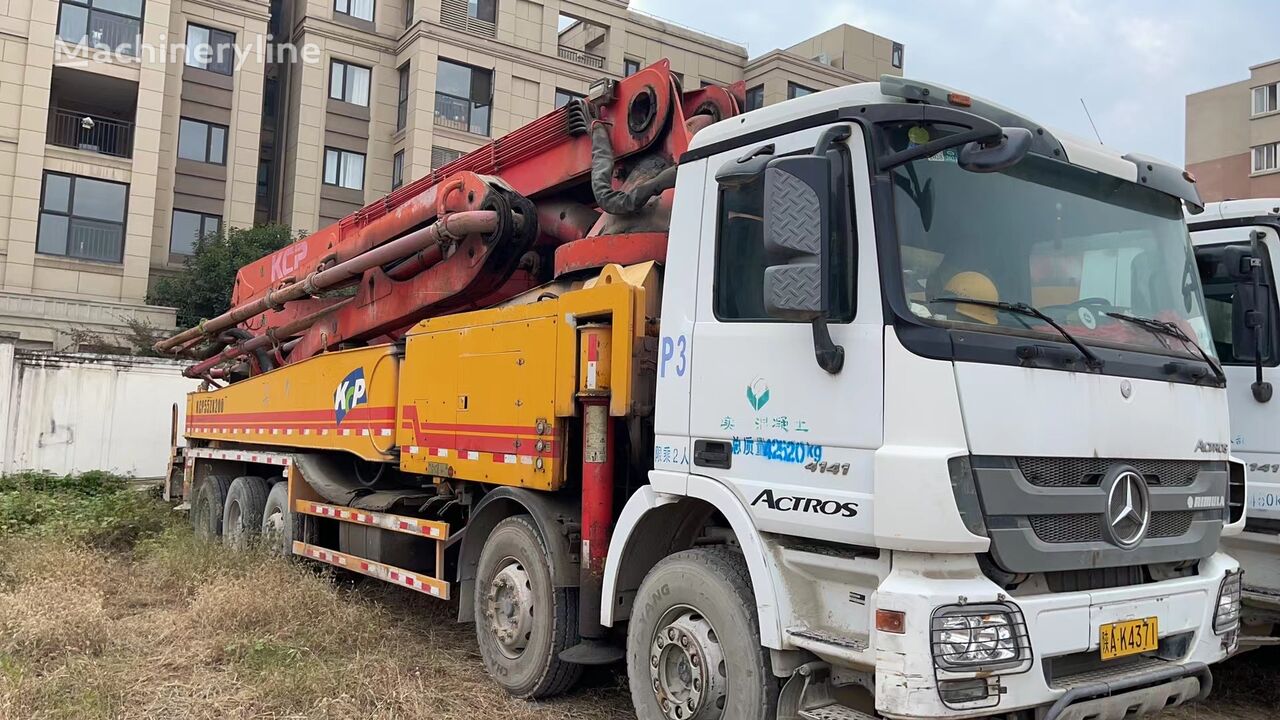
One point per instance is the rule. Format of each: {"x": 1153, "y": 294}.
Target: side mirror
{"x": 797, "y": 234}
{"x": 1008, "y": 151}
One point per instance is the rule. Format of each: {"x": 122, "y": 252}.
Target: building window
{"x": 1264, "y": 99}
{"x": 1264, "y": 157}
{"x": 564, "y": 96}
{"x": 349, "y": 83}
{"x": 486, "y": 10}
{"x": 794, "y": 91}
{"x": 358, "y": 9}
{"x": 264, "y": 177}
{"x": 111, "y": 24}
{"x": 402, "y": 97}
{"x": 464, "y": 95}
{"x": 343, "y": 168}
{"x": 679, "y": 76}
{"x": 397, "y": 169}
{"x": 408, "y": 13}
{"x": 755, "y": 98}
{"x": 630, "y": 67}
{"x": 895, "y": 57}
{"x": 188, "y": 228}
{"x": 443, "y": 156}
{"x": 202, "y": 141}
{"x": 82, "y": 217}
{"x": 210, "y": 49}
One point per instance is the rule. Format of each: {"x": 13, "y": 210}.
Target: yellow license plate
{"x": 1130, "y": 637}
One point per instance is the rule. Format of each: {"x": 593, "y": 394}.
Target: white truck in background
{"x": 1237, "y": 245}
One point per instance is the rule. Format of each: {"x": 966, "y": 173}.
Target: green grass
{"x": 98, "y": 509}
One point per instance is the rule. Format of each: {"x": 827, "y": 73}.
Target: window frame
{"x": 1260, "y": 151}
{"x": 335, "y": 62}
{"x": 457, "y": 154}
{"x": 204, "y": 217}
{"x": 373, "y": 10}
{"x": 492, "y": 3}
{"x": 751, "y": 92}
{"x": 408, "y": 12}
{"x": 214, "y": 45}
{"x": 471, "y": 103}
{"x": 208, "y": 140}
{"x": 569, "y": 96}
{"x": 397, "y": 169}
{"x": 342, "y": 159}
{"x": 897, "y": 55}
{"x": 1270, "y": 94}
{"x": 792, "y": 87}
{"x": 844, "y": 262}
{"x": 402, "y": 96}
{"x": 631, "y": 66}
{"x": 69, "y": 213}
{"x": 90, "y": 8}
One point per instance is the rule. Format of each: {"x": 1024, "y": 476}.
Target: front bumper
{"x": 1064, "y": 670}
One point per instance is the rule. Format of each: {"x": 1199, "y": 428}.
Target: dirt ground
{"x": 174, "y": 629}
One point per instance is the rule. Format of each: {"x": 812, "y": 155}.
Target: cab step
{"x": 835, "y": 712}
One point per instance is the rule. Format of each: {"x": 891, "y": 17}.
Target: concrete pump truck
{"x": 860, "y": 405}
{"x": 1237, "y": 244}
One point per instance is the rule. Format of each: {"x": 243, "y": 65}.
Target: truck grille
{"x": 1088, "y": 528}
{"x": 1088, "y": 472}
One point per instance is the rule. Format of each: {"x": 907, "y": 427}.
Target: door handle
{"x": 713, "y": 453}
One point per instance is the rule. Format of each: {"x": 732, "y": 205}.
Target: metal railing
{"x": 99, "y": 29}
{"x": 581, "y": 57}
{"x": 454, "y": 14}
{"x": 95, "y": 240}
{"x": 461, "y": 114}
{"x": 93, "y": 133}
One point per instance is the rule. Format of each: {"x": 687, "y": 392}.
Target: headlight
{"x": 979, "y": 637}
{"x": 1227, "y": 616}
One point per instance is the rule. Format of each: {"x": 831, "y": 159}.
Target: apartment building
{"x": 1233, "y": 136}
{"x": 114, "y": 156}
{"x": 112, "y": 167}
{"x": 409, "y": 85}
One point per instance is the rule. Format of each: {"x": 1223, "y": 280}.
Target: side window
{"x": 741, "y": 260}
{"x": 1220, "y": 298}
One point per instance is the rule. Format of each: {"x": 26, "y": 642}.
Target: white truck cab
{"x": 1237, "y": 243}
{"x": 947, "y": 376}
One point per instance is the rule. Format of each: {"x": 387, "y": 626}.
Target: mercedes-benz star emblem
{"x": 1128, "y": 511}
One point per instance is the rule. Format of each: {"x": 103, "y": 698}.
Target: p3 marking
{"x": 675, "y": 353}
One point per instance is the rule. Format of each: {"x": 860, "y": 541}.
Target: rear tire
{"x": 522, "y": 621}
{"x": 694, "y": 636}
{"x": 207, "y": 507}
{"x": 280, "y": 526}
{"x": 242, "y": 515}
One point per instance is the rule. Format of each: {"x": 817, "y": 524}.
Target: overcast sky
{"x": 1133, "y": 62}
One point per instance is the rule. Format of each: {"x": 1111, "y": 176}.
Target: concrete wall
{"x": 77, "y": 412}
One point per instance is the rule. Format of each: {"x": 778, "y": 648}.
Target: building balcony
{"x": 117, "y": 30}
{"x": 461, "y": 114}
{"x": 92, "y": 113}
{"x": 581, "y": 57}
{"x": 93, "y": 133}
{"x": 462, "y": 15}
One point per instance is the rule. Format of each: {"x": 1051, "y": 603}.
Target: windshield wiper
{"x": 1172, "y": 330}
{"x": 1091, "y": 360}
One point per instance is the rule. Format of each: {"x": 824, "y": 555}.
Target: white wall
{"x": 72, "y": 412}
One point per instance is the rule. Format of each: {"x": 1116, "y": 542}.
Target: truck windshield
{"x": 1072, "y": 243}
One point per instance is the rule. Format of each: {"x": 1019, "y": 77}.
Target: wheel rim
{"x": 510, "y": 608}
{"x": 687, "y": 667}
{"x": 273, "y": 531}
{"x": 232, "y": 529}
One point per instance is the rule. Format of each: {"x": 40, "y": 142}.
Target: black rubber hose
{"x": 265, "y": 363}
{"x": 620, "y": 202}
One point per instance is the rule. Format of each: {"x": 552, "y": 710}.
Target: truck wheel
{"x": 280, "y": 525}
{"x": 694, "y": 636}
{"x": 522, "y": 621}
{"x": 206, "y": 507}
{"x": 242, "y": 515}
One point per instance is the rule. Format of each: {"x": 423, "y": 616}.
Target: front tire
{"x": 693, "y": 645}
{"x": 523, "y": 622}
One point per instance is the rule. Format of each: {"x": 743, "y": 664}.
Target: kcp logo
{"x": 350, "y": 393}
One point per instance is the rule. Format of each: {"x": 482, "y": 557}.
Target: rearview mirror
{"x": 980, "y": 157}
{"x": 796, "y": 193}
{"x": 1251, "y": 322}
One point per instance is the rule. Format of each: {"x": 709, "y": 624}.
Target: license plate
{"x": 1130, "y": 637}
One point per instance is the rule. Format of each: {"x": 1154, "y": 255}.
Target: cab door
{"x": 793, "y": 441}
